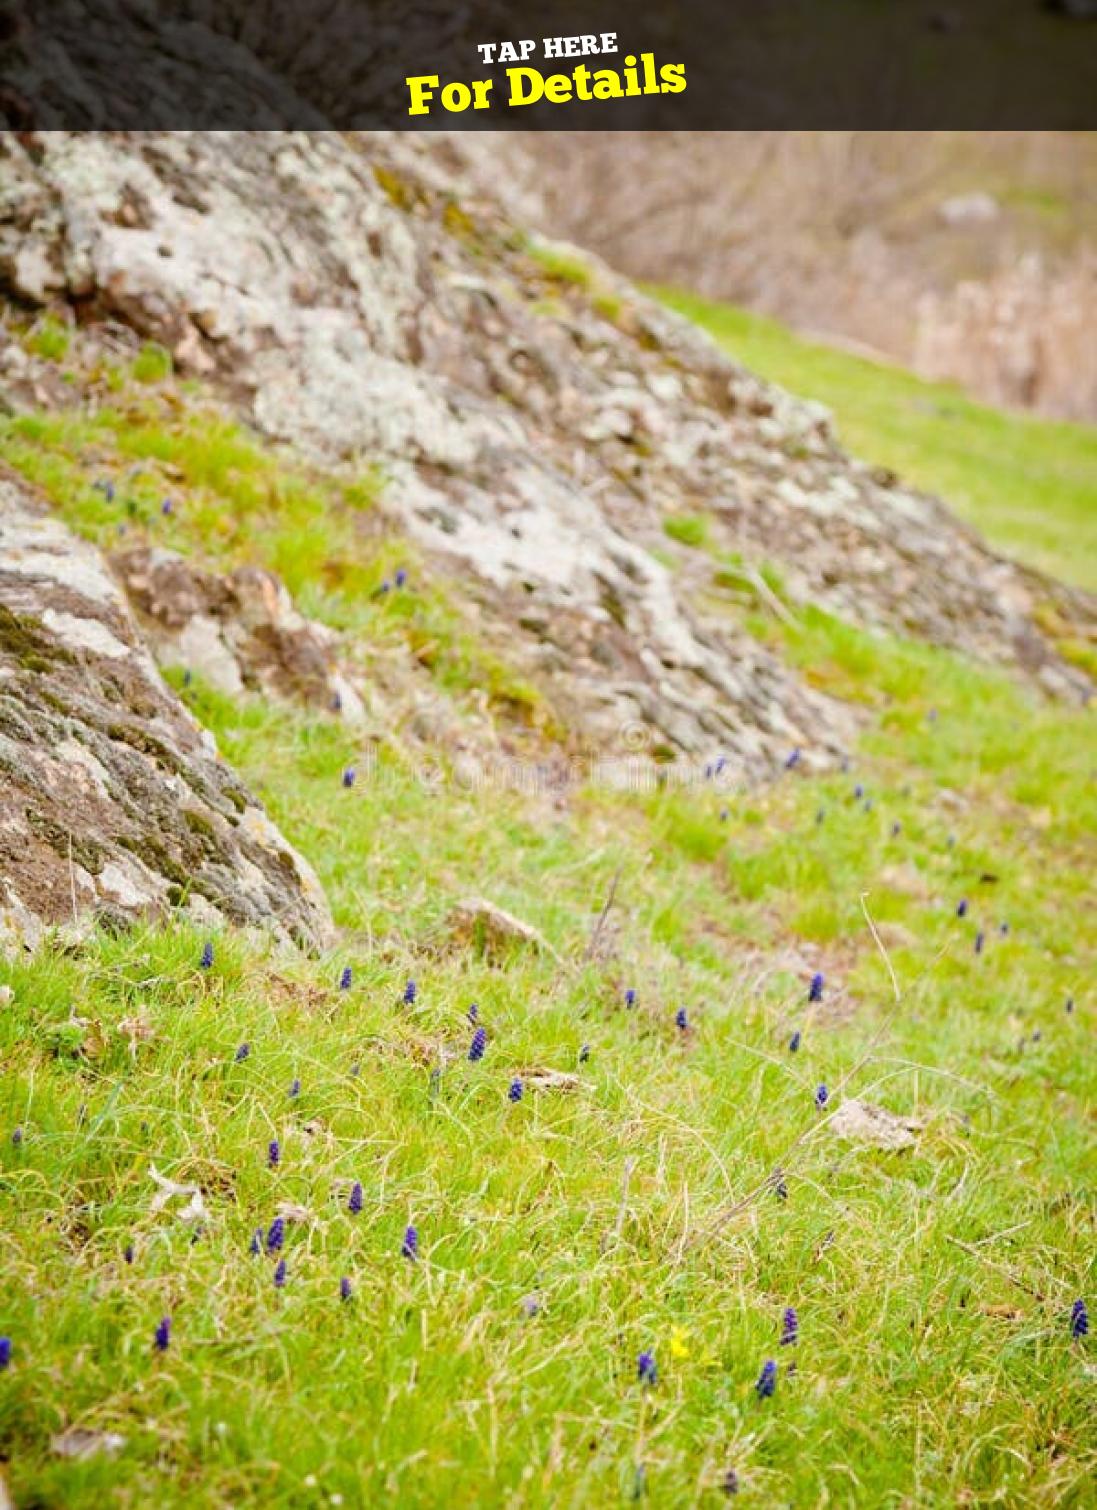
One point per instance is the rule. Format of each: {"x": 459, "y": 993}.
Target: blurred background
{"x": 962, "y": 256}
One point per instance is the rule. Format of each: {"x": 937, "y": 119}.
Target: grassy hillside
{"x": 1029, "y": 485}
{"x": 663, "y": 1185}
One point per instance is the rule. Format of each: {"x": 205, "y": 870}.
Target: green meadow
{"x": 668, "y": 1182}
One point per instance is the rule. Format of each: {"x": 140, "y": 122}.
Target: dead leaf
{"x": 137, "y": 1030}
{"x": 1005, "y": 1312}
{"x": 549, "y": 1080}
{"x": 169, "y": 1190}
{"x": 861, "y": 1122}
{"x": 290, "y": 1211}
{"x": 82, "y": 1442}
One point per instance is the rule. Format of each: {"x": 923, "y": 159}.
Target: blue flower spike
{"x": 790, "y": 1328}
{"x": 1079, "y": 1320}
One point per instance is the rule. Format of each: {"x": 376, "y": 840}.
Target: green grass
{"x": 1029, "y": 485}
{"x": 935, "y": 1364}
{"x": 235, "y": 501}
{"x": 933, "y": 1287}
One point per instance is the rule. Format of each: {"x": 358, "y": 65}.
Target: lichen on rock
{"x": 537, "y": 419}
{"x": 113, "y": 801}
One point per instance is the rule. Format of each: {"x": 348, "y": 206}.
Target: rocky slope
{"x": 538, "y": 423}
{"x": 113, "y": 802}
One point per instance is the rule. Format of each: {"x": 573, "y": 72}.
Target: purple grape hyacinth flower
{"x": 127, "y": 1253}
{"x": 410, "y": 1246}
{"x": 294, "y": 1089}
{"x": 517, "y": 1090}
{"x": 350, "y": 776}
{"x": 630, "y": 998}
{"x": 206, "y": 961}
{"x": 411, "y": 990}
{"x": 478, "y": 1045}
{"x": 280, "y": 1274}
{"x": 346, "y": 978}
{"x": 17, "y": 1137}
{"x": 767, "y": 1380}
{"x": 345, "y": 1289}
{"x": 961, "y": 908}
{"x": 794, "y": 1042}
{"x": 162, "y": 1336}
{"x": 790, "y": 1327}
{"x": 274, "y": 1153}
{"x": 980, "y": 940}
{"x": 584, "y": 1053}
{"x": 815, "y": 990}
{"x": 681, "y": 1020}
{"x": 647, "y": 1370}
{"x": 473, "y": 1014}
{"x": 276, "y": 1235}
{"x": 354, "y": 1205}
{"x": 167, "y": 507}
{"x": 5, "y": 1352}
{"x": 255, "y": 1247}
{"x": 822, "y": 1096}
{"x": 401, "y": 577}
{"x": 858, "y": 791}
{"x": 1079, "y": 1319}
{"x": 793, "y": 761}
{"x": 242, "y": 1052}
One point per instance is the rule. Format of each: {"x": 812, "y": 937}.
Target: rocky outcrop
{"x": 240, "y": 631}
{"x": 113, "y": 801}
{"x": 537, "y": 420}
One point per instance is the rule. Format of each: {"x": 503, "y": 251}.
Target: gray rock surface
{"x": 113, "y": 801}
{"x": 537, "y": 420}
{"x": 239, "y": 631}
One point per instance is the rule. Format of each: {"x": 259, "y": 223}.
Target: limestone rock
{"x": 477, "y": 920}
{"x": 537, "y": 421}
{"x": 113, "y": 801}
{"x": 239, "y": 631}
